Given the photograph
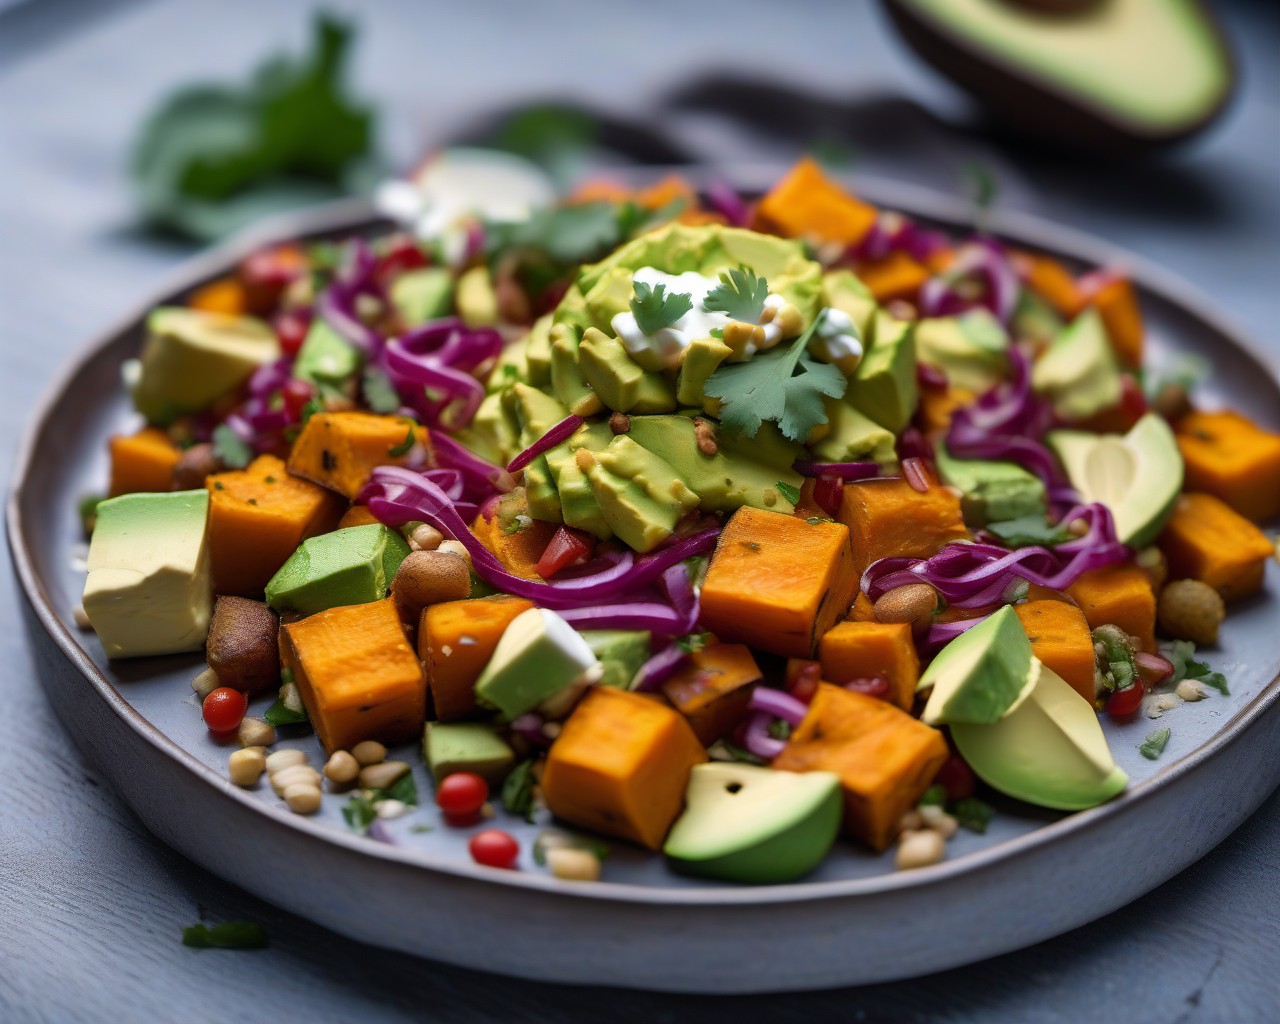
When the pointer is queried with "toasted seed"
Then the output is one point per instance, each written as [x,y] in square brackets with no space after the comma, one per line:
[939,820]
[919,849]
[254,732]
[1172,401]
[425,537]
[380,776]
[705,435]
[205,683]
[245,767]
[911,821]
[341,767]
[620,423]
[911,603]
[1191,610]
[286,777]
[369,752]
[194,465]
[282,759]
[456,547]
[302,798]
[574,864]
[1191,690]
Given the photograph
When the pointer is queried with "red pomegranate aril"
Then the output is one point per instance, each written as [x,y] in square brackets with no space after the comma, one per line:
[291,328]
[494,848]
[956,777]
[876,686]
[266,273]
[804,683]
[295,394]
[1125,702]
[827,492]
[402,255]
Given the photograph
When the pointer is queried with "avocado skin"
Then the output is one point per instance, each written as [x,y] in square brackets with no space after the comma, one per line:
[1036,109]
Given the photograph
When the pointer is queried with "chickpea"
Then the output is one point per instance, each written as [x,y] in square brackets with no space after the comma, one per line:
[1191,610]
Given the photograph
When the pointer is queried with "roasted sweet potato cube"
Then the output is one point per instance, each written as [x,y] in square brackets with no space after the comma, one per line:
[776,582]
[713,690]
[339,450]
[358,676]
[1060,637]
[1119,595]
[1207,540]
[520,550]
[865,650]
[257,518]
[621,766]
[808,204]
[1050,280]
[142,462]
[885,758]
[1229,456]
[1117,303]
[357,515]
[897,276]
[887,518]
[455,641]
[864,609]
[938,405]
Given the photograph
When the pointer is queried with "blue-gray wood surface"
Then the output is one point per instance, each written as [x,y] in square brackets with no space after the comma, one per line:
[91,906]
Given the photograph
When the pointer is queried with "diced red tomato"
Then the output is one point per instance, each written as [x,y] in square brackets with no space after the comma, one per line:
[802,684]
[291,328]
[296,394]
[1125,702]
[403,254]
[494,848]
[268,272]
[567,547]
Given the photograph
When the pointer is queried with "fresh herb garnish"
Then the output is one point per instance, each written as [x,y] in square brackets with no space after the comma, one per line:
[517,790]
[228,935]
[361,808]
[1029,531]
[1153,746]
[691,643]
[404,446]
[972,813]
[379,394]
[779,729]
[935,796]
[723,750]
[781,385]
[281,714]
[232,450]
[740,294]
[403,789]
[311,407]
[1181,654]
[654,309]
[789,491]
[1115,660]
[717,333]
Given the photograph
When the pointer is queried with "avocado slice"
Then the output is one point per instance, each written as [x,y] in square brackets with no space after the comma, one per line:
[494,431]
[853,437]
[578,505]
[884,387]
[1079,373]
[621,653]
[970,348]
[566,376]
[476,299]
[326,361]
[192,358]
[351,566]
[620,382]
[537,352]
[981,674]
[422,294]
[992,492]
[1137,475]
[449,747]
[701,359]
[640,521]
[1071,72]
[842,290]
[743,823]
[1049,750]
[537,658]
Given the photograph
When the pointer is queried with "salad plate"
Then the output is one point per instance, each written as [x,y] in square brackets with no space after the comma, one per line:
[1031,875]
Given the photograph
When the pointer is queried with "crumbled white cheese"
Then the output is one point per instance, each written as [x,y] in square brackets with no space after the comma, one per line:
[1165,702]
[1189,689]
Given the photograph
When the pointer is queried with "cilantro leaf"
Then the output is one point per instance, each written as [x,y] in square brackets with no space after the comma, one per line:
[693,642]
[1181,652]
[517,790]
[281,714]
[359,812]
[935,795]
[1029,531]
[231,448]
[740,294]
[779,729]
[1153,746]
[789,491]
[403,447]
[972,813]
[782,385]
[228,935]
[654,309]
[403,789]
[379,394]
[723,750]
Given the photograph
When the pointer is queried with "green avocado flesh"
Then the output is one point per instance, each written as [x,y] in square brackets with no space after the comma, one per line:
[980,674]
[969,349]
[1049,750]
[422,294]
[326,361]
[884,387]
[1137,475]
[621,653]
[991,492]
[450,747]
[747,824]
[538,657]
[351,566]
[1079,372]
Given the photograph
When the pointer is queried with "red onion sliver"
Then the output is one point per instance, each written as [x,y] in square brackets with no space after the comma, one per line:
[843,470]
[557,435]
[757,738]
[778,704]
[658,669]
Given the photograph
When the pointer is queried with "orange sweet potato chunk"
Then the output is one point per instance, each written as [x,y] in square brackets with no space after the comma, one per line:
[455,641]
[1207,540]
[897,276]
[357,515]
[887,518]
[1050,280]
[713,690]
[339,450]
[808,204]
[257,518]
[1229,456]
[357,674]
[885,758]
[1119,595]
[1060,637]
[938,405]
[621,766]
[778,583]
[865,650]
[519,551]
[142,462]
[226,296]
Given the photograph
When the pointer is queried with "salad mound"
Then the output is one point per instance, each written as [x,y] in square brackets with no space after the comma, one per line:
[720,528]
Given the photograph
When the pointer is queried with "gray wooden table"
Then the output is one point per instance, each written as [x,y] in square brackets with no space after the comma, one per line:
[91,906]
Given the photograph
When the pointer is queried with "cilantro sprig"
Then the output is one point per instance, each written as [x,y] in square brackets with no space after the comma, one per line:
[1181,653]
[782,385]
[654,308]
[233,450]
[361,809]
[740,294]
[1153,746]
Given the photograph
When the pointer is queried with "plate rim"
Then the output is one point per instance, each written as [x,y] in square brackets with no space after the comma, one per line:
[350,215]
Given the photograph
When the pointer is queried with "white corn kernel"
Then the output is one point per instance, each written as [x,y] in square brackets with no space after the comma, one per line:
[205,683]
[573,863]
[341,768]
[919,849]
[298,773]
[369,752]
[281,759]
[380,776]
[302,798]
[939,820]
[254,732]
[245,767]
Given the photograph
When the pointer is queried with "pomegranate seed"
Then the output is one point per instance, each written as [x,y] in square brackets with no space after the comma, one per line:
[296,394]
[876,686]
[956,777]
[827,492]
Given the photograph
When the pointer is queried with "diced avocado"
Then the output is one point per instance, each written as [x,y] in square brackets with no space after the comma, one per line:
[641,521]
[449,747]
[537,352]
[192,358]
[843,291]
[535,411]
[326,361]
[423,294]
[1048,750]
[852,437]
[512,367]
[701,359]
[1079,372]
[1137,475]
[538,657]
[621,653]
[149,590]
[578,505]
[980,675]
[540,489]
[1035,319]
[743,823]
[610,296]
[884,387]
[477,302]
[991,491]
[332,570]
[566,376]
[969,348]
[770,447]
[493,433]
[620,382]
[625,458]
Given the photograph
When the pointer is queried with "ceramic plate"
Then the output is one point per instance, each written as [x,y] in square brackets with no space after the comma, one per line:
[1031,876]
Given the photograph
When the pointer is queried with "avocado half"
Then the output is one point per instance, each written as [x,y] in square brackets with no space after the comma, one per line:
[1117,76]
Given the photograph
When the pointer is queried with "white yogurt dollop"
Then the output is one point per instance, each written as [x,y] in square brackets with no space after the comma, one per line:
[836,340]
